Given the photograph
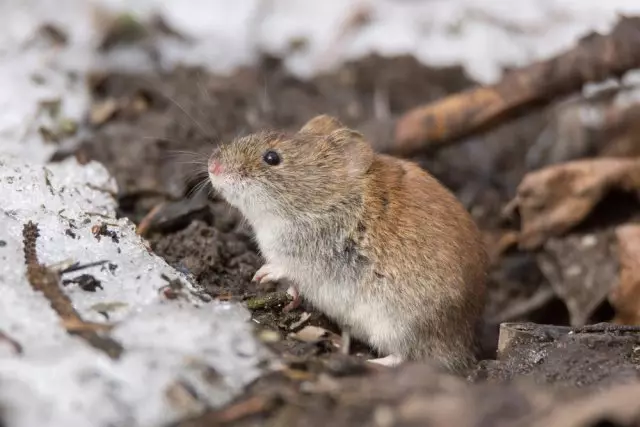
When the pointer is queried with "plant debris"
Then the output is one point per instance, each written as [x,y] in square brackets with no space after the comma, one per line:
[103,111]
[86,282]
[17,348]
[102,229]
[274,299]
[579,269]
[173,216]
[552,201]
[625,295]
[47,281]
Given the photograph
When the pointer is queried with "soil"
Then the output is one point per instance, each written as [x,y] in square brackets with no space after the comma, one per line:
[155,142]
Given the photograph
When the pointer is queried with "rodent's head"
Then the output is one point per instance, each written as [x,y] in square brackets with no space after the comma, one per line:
[318,170]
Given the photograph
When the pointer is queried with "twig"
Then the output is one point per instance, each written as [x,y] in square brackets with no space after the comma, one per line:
[76,266]
[146,223]
[251,406]
[47,281]
[15,344]
[595,58]
[517,311]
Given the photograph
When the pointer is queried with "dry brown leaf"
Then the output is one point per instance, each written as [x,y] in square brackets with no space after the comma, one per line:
[499,242]
[555,199]
[314,334]
[103,111]
[579,268]
[625,297]
[311,334]
[301,321]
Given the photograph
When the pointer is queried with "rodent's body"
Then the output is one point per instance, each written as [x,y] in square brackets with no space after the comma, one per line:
[390,255]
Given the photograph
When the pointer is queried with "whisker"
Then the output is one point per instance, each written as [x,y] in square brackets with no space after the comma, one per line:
[198,188]
[202,88]
[162,138]
[205,133]
[187,156]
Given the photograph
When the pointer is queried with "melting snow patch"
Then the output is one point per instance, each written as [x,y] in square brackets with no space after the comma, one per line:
[179,355]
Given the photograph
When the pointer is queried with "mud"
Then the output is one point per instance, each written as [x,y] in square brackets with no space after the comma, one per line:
[156,141]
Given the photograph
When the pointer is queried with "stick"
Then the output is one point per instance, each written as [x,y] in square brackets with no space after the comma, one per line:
[595,58]
[47,281]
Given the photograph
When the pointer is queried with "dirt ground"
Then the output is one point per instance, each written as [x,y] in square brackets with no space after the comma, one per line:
[154,132]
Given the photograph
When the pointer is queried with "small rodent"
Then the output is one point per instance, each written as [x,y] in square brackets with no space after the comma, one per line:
[373,241]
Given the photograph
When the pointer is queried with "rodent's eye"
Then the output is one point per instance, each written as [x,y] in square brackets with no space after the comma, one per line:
[271,158]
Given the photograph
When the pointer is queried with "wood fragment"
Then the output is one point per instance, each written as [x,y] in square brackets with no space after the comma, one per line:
[514,334]
[47,281]
[606,328]
[595,58]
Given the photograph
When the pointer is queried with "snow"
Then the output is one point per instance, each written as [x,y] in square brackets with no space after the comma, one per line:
[59,379]
[175,345]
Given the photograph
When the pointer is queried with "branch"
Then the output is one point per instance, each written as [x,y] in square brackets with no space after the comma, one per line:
[595,58]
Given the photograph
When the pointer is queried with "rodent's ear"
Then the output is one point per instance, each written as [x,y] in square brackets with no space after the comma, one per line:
[357,152]
[322,125]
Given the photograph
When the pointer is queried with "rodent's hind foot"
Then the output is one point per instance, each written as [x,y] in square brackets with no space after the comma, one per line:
[295,303]
[390,360]
[266,274]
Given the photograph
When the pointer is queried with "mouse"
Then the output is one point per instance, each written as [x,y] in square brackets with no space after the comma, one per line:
[373,241]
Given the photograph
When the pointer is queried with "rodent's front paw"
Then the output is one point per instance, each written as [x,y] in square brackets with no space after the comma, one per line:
[267,273]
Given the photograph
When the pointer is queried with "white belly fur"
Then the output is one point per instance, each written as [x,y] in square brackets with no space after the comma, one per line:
[341,296]
[347,303]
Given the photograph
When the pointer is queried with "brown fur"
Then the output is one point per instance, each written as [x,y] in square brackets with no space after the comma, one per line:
[348,223]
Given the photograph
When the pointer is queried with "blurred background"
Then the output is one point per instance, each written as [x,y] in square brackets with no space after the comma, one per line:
[539,140]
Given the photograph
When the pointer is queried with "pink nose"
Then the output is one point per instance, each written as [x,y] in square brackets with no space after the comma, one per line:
[215,167]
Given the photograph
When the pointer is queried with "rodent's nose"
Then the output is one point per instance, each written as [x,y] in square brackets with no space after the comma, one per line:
[215,167]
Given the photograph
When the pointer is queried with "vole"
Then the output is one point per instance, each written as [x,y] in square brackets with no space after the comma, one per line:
[374,242]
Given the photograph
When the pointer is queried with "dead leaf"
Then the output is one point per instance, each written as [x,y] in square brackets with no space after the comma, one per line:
[303,319]
[499,242]
[298,375]
[579,269]
[625,296]
[555,199]
[180,397]
[313,334]
[102,111]
[123,29]
[269,336]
